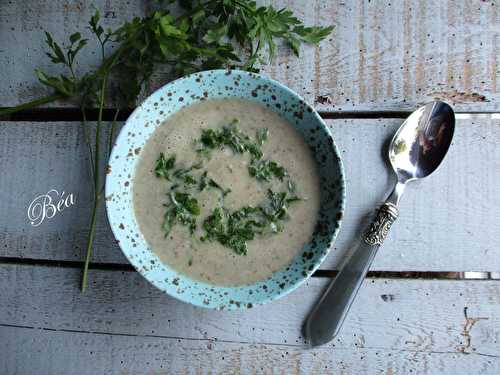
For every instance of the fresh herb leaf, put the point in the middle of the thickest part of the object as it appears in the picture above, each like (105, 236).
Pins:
(262, 135)
(185, 201)
(183, 217)
(229, 136)
(234, 229)
(163, 166)
(203, 181)
(210, 138)
(215, 185)
(181, 172)
(185, 175)
(206, 181)
(189, 179)
(183, 209)
(293, 199)
(168, 221)
(277, 207)
(265, 170)
(313, 34)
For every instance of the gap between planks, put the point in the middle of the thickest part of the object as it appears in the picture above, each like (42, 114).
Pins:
(74, 114)
(429, 275)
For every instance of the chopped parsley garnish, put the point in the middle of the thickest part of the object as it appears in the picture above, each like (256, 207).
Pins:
(229, 136)
(262, 135)
(206, 181)
(232, 229)
(185, 201)
(183, 208)
(181, 173)
(215, 185)
(185, 176)
(164, 166)
(203, 181)
(265, 170)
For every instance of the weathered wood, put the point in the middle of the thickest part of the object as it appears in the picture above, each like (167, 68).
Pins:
(383, 55)
(447, 223)
(38, 157)
(31, 351)
(422, 325)
(389, 314)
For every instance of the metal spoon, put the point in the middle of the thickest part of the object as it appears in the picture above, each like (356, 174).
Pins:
(416, 150)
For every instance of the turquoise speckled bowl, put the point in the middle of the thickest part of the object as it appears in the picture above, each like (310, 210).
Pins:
(153, 112)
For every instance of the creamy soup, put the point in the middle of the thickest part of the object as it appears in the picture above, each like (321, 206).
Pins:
(194, 184)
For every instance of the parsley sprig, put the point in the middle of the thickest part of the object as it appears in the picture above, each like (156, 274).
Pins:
(235, 229)
(164, 166)
(229, 136)
(265, 170)
(207, 34)
(183, 208)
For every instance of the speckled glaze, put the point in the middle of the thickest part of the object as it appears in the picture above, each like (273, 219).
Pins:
(154, 111)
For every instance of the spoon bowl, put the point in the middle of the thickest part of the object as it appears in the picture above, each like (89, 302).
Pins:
(422, 141)
(420, 144)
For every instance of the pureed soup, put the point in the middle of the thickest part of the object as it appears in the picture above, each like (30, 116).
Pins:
(226, 191)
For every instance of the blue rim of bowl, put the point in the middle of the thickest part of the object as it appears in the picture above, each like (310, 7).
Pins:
(151, 272)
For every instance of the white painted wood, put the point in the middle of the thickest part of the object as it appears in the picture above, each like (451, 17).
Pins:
(383, 55)
(418, 316)
(35, 158)
(31, 351)
(447, 223)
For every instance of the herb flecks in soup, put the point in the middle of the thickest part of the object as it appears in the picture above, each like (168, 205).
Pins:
(226, 191)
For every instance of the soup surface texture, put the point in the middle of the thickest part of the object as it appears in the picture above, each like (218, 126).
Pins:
(184, 245)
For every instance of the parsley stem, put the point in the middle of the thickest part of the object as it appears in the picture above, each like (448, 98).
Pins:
(87, 141)
(97, 190)
(29, 105)
(90, 241)
(110, 140)
(112, 131)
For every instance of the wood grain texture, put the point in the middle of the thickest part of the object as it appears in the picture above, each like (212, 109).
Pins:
(383, 55)
(30, 351)
(447, 223)
(425, 325)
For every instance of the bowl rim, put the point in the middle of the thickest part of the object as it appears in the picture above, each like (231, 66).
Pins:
(268, 297)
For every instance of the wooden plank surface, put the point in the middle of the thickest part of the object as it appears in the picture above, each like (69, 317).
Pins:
(383, 55)
(447, 223)
(30, 351)
(124, 324)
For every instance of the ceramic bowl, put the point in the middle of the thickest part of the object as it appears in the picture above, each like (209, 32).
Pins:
(211, 85)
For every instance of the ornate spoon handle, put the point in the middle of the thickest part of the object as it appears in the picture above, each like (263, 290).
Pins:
(326, 318)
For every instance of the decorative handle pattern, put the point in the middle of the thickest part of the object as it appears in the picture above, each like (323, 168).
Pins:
(386, 216)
